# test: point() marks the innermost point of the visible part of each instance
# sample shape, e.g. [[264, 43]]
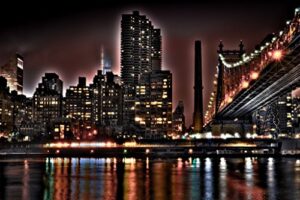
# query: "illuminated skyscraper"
[[140, 53], [13, 73], [140, 47]]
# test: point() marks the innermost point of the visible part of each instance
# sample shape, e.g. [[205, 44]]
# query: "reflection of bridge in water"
[[245, 83]]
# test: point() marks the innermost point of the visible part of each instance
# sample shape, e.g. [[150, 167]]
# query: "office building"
[[153, 105], [47, 101], [107, 102]]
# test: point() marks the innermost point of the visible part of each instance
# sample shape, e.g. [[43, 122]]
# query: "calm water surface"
[[130, 178]]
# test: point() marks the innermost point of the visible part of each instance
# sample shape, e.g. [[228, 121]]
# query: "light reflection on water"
[[132, 178]]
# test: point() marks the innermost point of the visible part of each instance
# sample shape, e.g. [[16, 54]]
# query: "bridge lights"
[[245, 84], [254, 75], [276, 54]]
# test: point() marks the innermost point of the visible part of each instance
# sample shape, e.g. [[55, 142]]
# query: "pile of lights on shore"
[[270, 51]]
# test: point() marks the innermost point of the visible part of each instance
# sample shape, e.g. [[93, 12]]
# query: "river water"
[[130, 178]]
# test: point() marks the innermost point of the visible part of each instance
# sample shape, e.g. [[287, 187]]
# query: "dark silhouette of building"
[[179, 119], [198, 96]]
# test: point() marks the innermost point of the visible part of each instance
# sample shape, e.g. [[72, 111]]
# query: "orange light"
[[229, 100], [245, 84], [277, 55], [254, 75]]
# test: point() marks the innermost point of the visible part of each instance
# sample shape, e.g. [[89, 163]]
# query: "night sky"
[[66, 37]]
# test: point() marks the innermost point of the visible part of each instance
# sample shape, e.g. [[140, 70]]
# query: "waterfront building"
[[140, 53], [153, 105], [107, 102], [47, 101], [78, 102]]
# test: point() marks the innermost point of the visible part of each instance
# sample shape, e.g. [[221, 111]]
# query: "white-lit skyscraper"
[[140, 47]]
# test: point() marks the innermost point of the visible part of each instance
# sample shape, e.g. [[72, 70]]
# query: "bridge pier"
[[232, 126]]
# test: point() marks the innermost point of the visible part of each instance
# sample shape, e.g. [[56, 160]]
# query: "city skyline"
[[174, 41]]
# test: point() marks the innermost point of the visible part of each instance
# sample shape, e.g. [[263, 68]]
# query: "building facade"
[[140, 47], [107, 102], [6, 109], [47, 101], [140, 53], [13, 73], [153, 105]]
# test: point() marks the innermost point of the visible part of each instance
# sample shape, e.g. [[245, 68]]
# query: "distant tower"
[[198, 97], [105, 64]]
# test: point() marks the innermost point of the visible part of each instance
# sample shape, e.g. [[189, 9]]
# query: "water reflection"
[[131, 178]]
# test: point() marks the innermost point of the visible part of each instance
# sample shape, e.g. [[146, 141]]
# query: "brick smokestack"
[[198, 96]]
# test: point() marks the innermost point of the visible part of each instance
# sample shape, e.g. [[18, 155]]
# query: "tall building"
[[140, 53], [78, 108], [47, 101], [153, 105], [13, 73], [198, 96], [105, 63], [179, 119], [78, 101], [107, 100], [6, 109], [140, 47]]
